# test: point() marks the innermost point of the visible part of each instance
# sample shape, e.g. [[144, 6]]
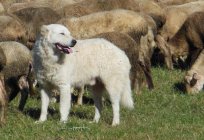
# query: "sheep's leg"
[[13, 94], [24, 89], [80, 96], [3, 101]]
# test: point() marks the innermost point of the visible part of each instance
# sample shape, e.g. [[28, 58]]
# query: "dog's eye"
[[62, 33]]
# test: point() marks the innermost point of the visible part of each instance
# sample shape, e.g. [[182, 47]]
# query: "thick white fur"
[[91, 59]]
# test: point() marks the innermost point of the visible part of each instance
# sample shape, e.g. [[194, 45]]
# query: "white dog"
[[61, 62]]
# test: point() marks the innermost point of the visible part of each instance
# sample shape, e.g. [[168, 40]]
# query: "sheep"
[[175, 17], [32, 19], [16, 69], [19, 6], [194, 78], [53, 4], [3, 94], [11, 29], [85, 8], [174, 2], [8, 3], [1, 8], [91, 6], [129, 22], [3, 101], [86, 26], [188, 41]]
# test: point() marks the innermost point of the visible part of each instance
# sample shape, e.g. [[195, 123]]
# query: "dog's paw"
[[94, 121], [39, 122], [115, 124], [63, 122], [91, 122]]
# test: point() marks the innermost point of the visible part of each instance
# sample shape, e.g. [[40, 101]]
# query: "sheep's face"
[[194, 82]]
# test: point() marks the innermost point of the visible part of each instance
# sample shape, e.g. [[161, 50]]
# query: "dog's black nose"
[[73, 43]]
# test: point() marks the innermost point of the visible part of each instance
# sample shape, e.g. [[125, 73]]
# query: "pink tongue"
[[67, 50]]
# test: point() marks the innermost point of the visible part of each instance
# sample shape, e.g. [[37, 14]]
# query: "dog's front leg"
[[65, 102], [44, 106]]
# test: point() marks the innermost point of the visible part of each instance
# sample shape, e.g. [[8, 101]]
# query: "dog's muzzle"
[[66, 49]]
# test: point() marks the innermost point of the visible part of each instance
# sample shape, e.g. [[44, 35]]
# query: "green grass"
[[164, 113]]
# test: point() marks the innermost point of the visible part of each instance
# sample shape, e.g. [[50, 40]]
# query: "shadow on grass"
[[81, 115], [180, 87], [34, 113], [86, 100]]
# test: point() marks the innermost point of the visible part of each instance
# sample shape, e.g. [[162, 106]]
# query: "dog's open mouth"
[[63, 48]]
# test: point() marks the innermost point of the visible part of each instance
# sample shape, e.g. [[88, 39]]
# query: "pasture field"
[[162, 114]]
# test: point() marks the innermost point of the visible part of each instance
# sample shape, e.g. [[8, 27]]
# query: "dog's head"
[[194, 82], [59, 36]]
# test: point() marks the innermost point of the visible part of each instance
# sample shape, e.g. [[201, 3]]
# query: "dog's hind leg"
[[114, 90], [120, 92], [80, 96], [44, 106], [115, 101], [97, 92], [65, 102]]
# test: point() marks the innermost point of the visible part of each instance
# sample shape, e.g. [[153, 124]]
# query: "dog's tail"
[[126, 96]]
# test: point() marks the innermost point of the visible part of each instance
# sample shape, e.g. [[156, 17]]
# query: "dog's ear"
[[44, 30]]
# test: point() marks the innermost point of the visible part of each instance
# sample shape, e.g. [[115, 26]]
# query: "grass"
[[163, 113]]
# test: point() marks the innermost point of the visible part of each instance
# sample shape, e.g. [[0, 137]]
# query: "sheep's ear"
[[44, 30], [188, 79], [196, 76], [194, 79]]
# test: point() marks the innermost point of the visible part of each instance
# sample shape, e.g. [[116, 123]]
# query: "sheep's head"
[[165, 51], [194, 82]]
